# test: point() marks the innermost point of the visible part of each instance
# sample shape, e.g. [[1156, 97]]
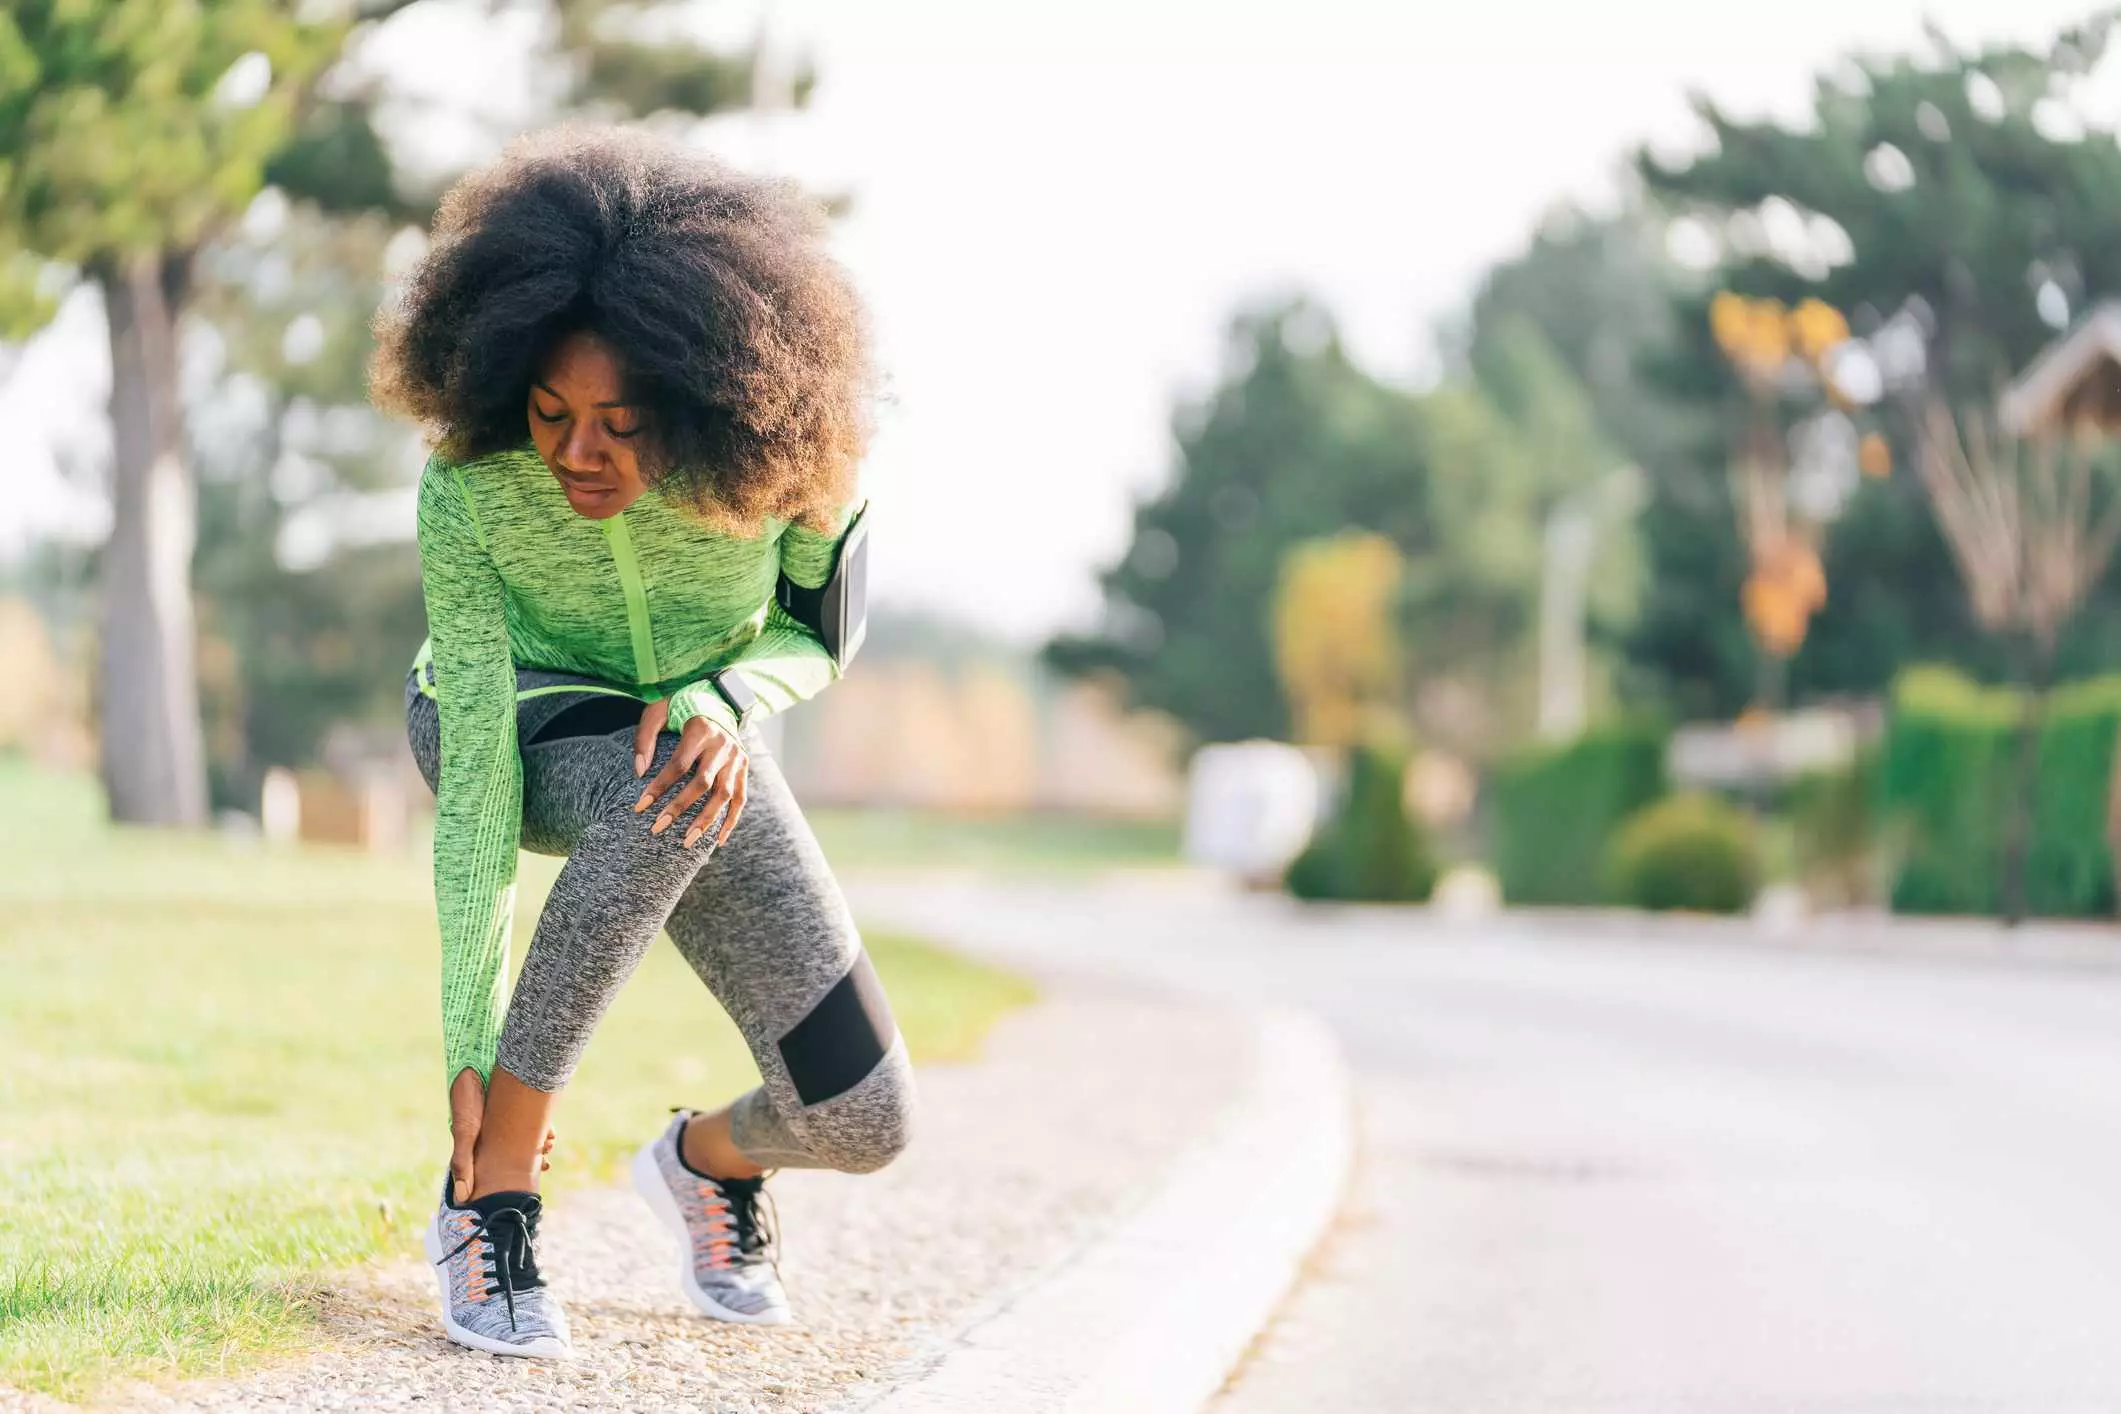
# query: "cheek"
[[625, 460]]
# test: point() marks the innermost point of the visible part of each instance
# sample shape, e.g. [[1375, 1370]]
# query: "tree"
[[2033, 525], [129, 131], [1949, 187], [1298, 443], [303, 592], [132, 134], [1295, 444], [1596, 291], [1336, 645]]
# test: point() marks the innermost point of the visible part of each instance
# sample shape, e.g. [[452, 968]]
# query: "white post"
[[1564, 595]]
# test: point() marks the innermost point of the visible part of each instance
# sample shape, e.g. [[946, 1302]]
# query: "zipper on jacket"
[[619, 536]]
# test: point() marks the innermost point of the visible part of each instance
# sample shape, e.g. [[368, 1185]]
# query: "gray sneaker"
[[726, 1243], [486, 1266]]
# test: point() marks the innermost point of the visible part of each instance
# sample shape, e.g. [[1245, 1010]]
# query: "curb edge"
[[1199, 1270]]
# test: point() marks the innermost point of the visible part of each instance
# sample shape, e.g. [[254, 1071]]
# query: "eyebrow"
[[544, 387]]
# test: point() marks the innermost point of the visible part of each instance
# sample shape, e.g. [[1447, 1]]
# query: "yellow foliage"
[[1729, 320], [1768, 338], [1787, 586], [1874, 455], [1336, 640], [1758, 336], [1816, 328]]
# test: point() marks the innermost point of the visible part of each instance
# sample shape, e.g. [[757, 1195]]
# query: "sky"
[[1055, 212]]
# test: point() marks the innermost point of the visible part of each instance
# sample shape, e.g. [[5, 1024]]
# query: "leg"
[[607, 906], [765, 927], [609, 902]]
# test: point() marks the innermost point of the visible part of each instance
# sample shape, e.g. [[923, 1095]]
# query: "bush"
[[1693, 852], [1372, 851], [1557, 808], [1949, 770]]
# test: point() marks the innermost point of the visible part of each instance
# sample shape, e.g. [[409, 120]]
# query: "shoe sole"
[[545, 1347], [648, 1182]]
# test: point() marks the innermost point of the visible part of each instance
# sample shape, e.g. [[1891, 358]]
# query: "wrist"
[[702, 701]]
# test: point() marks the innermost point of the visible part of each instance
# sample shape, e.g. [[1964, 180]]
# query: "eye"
[[627, 435], [544, 416]]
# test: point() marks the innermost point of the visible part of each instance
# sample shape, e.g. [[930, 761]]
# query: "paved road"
[[1611, 1175]]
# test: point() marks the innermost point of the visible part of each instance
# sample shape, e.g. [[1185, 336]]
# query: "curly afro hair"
[[741, 340]]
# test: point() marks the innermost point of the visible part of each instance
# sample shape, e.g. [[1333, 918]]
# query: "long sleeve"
[[787, 663], [479, 798]]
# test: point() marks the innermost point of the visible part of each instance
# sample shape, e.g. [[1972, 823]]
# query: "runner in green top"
[[648, 386]]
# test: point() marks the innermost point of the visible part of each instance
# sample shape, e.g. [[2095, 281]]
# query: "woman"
[[647, 384]]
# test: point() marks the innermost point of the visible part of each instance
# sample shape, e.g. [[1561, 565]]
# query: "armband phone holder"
[[837, 612]]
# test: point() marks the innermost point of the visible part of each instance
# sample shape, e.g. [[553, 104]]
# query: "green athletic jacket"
[[651, 600]]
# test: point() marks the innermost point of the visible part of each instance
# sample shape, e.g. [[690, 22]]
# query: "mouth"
[[587, 488]]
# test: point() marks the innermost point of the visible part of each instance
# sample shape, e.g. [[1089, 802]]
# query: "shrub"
[[1557, 808], [1372, 851], [1948, 772], [1693, 852]]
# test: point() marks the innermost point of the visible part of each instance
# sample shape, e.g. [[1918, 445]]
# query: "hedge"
[[1372, 851], [1557, 809], [1949, 769]]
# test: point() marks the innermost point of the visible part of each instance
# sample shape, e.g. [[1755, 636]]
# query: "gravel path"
[[882, 1270]]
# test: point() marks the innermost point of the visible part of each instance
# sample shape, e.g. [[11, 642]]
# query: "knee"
[[872, 1125]]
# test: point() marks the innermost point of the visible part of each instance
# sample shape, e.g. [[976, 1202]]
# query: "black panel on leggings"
[[834, 1048], [599, 714]]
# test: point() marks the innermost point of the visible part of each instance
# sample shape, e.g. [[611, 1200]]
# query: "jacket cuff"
[[700, 699]]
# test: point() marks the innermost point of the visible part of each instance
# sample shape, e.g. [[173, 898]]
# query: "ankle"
[[490, 1179], [707, 1149]]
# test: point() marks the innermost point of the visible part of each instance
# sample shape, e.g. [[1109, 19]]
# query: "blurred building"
[[984, 735]]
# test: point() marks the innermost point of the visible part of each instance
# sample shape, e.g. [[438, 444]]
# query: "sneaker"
[[727, 1248], [486, 1266]]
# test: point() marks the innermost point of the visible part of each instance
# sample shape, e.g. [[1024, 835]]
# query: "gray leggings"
[[760, 920]]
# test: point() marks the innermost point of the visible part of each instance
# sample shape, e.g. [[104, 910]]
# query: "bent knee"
[[870, 1126]]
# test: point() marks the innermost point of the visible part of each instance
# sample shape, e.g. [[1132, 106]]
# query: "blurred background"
[[1554, 414], [1587, 459]]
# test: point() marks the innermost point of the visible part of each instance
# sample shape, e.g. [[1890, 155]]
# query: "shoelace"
[[756, 1232], [507, 1234], [758, 1224]]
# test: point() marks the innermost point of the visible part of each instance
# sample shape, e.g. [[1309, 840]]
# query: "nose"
[[581, 450]]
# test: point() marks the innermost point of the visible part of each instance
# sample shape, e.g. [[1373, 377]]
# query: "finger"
[[710, 815], [737, 798], [711, 785], [711, 765], [716, 809], [460, 1170], [652, 718], [689, 748]]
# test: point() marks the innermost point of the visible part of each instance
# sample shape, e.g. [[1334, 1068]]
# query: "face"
[[584, 429]]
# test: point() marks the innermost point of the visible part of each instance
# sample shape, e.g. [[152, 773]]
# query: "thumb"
[[465, 1134], [466, 1110], [652, 718]]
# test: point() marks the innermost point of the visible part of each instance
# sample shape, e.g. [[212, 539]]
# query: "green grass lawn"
[[220, 1081]]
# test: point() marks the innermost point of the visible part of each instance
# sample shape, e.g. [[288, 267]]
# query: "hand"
[[467, 1109], [722, 779]]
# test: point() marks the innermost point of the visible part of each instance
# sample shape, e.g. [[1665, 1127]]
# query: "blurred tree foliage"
[[1336, 645], [1962, 190], [1297, 443], [136, 138], [309, 592], [1597, 291]]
